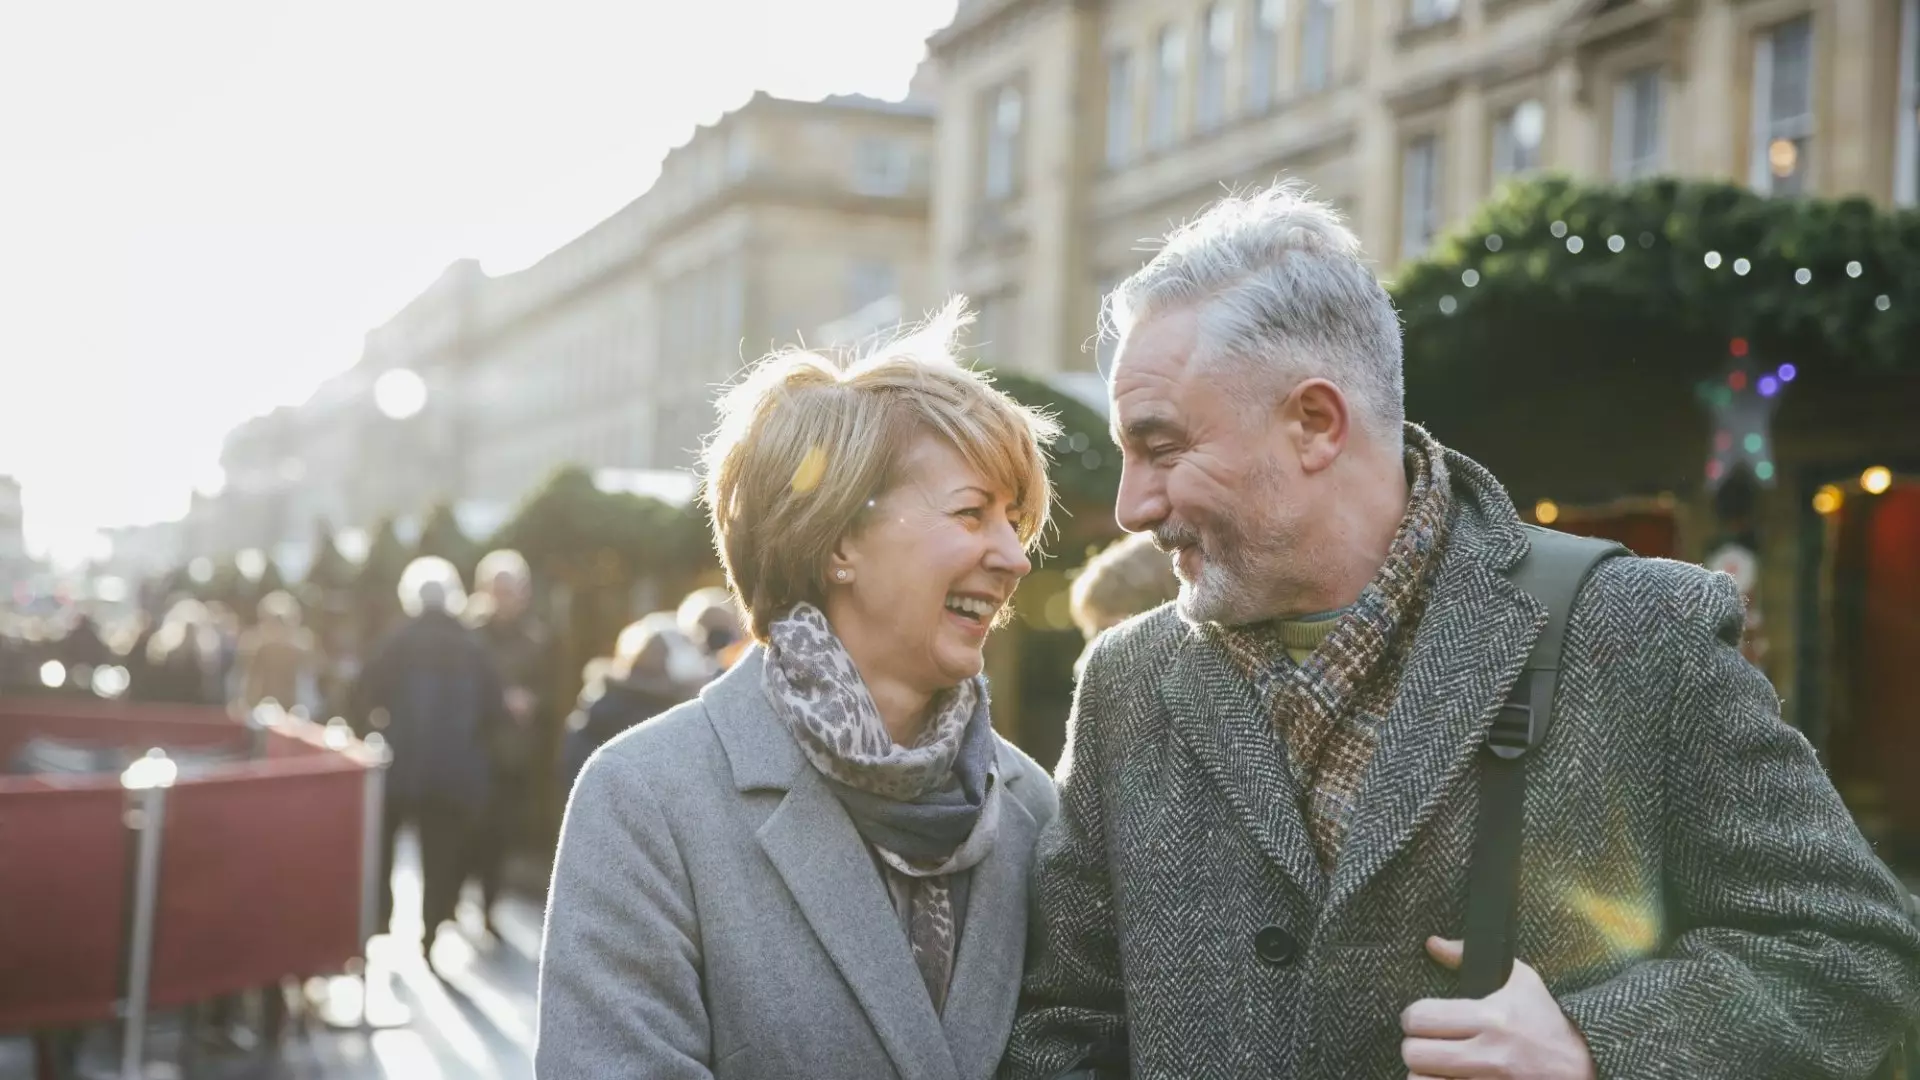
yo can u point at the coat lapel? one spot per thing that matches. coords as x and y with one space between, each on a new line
817 852
1467 652
814 846
986 976
1217 717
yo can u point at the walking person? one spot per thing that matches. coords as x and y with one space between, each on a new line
818 868
431 691
522 650
1269 799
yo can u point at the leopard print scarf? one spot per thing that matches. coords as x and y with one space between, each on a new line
945 780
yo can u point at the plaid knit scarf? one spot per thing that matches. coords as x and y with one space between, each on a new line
1329 707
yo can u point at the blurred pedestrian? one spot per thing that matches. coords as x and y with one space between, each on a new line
709 618
431 691
277 656
1129 577
522 650
641 682
182 659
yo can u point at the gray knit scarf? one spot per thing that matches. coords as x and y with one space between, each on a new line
929 811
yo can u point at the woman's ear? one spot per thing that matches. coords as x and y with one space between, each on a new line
843 561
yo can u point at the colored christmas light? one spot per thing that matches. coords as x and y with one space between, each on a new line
1737 380
1787 372
1738 347
1769 386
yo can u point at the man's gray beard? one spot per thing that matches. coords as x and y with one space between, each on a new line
1219 596
1239 591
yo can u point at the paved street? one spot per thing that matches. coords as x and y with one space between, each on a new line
473 1023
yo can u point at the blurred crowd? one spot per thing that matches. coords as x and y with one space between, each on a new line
462 686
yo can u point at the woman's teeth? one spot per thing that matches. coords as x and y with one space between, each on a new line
971 607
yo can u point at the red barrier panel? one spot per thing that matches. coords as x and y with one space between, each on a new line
260 877
114 723
63 905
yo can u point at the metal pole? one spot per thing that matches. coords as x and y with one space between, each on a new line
372 834
152 808
372 828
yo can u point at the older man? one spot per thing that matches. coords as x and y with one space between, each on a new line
1261 863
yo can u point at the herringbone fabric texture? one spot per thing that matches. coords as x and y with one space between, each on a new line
1694 893
1329 707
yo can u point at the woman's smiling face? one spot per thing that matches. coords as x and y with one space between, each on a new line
928 572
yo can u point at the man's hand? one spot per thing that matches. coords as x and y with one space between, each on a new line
1516 1033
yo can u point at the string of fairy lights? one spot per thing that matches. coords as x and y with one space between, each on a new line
1741 398
1617 243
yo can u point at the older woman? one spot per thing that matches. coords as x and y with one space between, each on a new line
819 867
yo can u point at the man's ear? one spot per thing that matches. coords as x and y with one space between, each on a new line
1318 420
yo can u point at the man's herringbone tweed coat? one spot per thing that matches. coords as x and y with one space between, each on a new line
1694 893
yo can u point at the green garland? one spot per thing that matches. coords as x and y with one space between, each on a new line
1086 465
1654 270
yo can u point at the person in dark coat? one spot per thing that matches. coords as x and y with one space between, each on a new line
522 651
641 682
432 692
182 659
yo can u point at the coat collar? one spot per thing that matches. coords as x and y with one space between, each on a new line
831 876
1466 653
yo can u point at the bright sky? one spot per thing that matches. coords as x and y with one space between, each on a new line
204 204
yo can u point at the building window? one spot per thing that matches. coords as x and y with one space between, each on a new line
1429 12
1636 124
1263 53
881 166
1419 195
1170 68
869 280
1004 119
1517 135
1783 108
1119 108
1210 104
1906 140
1316 45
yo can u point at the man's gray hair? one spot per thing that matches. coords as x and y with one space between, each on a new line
1282 294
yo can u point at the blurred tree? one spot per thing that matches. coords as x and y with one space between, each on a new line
375 587
329 570
442 536
271 580
1562 335
1085 465
599 560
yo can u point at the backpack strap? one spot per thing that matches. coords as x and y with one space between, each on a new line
1553 570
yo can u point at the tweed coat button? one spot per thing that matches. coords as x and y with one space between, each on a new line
1276 946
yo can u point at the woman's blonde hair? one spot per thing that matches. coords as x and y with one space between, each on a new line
806 441
1129 577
